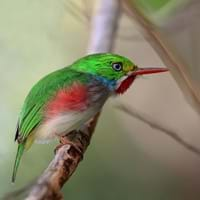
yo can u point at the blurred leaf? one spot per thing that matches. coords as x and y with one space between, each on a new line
152 5
174 34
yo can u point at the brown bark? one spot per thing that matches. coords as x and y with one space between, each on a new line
68 155
70 152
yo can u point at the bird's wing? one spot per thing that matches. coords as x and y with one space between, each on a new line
31 114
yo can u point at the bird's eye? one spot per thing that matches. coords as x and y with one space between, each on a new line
117 66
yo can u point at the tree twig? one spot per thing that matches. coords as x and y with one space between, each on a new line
75 11
144 118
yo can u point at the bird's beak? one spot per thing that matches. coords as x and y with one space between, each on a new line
143 71
127 80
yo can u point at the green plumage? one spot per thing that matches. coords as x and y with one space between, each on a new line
32 111
20 151
41 93
100 65
31 115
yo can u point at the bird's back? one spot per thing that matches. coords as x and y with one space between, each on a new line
61 89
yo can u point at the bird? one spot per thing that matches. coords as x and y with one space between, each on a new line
66 99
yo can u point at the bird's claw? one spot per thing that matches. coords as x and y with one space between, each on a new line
65 141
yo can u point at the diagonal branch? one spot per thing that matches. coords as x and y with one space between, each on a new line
142 117
63 165
73 145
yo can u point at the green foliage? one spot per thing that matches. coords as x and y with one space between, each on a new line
152 5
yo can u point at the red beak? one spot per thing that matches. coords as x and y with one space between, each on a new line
125 84
142 71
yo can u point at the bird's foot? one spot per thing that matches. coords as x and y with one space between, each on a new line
65 141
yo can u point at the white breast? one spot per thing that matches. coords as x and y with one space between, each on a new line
62 124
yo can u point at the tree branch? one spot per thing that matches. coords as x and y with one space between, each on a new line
144 118
65 162
70 152
104 26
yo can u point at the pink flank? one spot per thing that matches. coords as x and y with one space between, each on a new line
73 98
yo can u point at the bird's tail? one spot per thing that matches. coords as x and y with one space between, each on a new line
20 151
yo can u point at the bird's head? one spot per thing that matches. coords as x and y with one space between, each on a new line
114 71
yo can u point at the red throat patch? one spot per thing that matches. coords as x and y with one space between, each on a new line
73 98
125 84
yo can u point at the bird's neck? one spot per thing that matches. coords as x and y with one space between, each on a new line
110 84
117 87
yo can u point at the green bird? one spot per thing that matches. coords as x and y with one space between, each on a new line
68 98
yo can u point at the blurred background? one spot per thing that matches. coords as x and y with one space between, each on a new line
126 159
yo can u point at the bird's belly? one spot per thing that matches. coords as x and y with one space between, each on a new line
62 124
